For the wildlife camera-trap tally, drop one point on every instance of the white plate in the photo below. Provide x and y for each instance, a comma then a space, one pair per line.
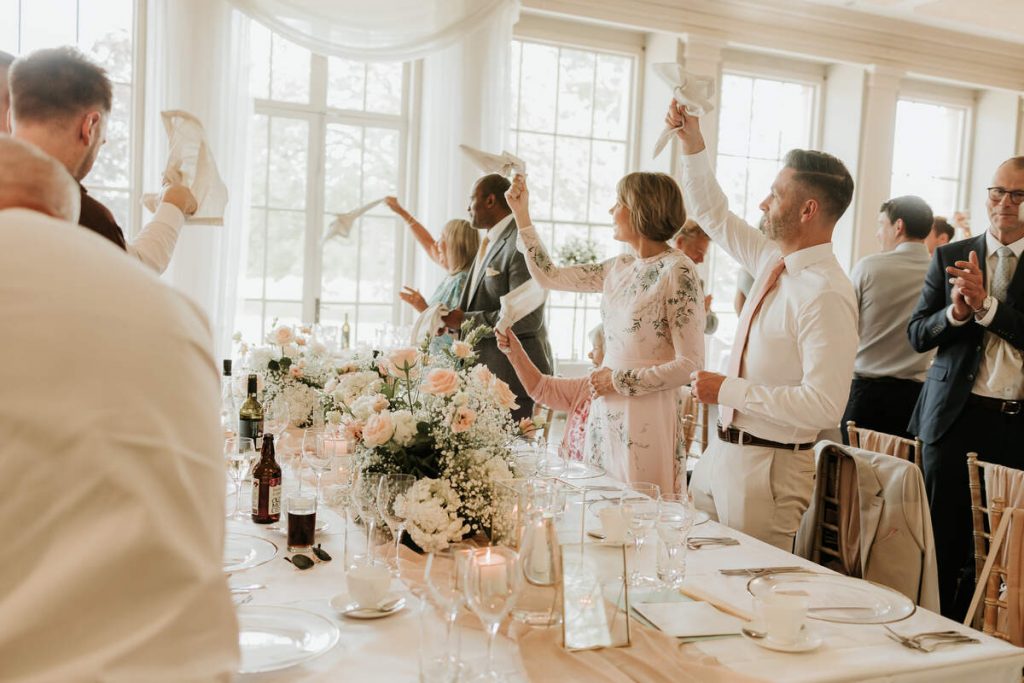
273, 638
837, 598
242, 551
575, 469
809, 640
346, 606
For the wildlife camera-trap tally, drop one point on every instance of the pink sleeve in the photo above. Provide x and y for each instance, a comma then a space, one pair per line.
559, 393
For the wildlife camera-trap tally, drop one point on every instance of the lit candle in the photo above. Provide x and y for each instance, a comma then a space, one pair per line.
493, 574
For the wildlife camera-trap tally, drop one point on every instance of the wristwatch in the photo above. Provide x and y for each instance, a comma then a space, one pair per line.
986, 306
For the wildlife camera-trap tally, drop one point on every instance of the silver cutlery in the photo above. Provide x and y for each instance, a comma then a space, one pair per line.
240, 600
928, 641
758, 571
386, 607
248, 588
698, 542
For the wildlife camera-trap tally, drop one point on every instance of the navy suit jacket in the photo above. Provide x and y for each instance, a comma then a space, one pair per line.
951, 376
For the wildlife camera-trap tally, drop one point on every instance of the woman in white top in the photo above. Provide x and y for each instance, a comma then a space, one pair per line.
653, 314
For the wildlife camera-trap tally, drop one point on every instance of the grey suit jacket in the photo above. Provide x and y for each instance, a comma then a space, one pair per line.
481, 305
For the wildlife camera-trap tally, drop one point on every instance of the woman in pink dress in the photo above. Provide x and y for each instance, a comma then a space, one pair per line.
653, 313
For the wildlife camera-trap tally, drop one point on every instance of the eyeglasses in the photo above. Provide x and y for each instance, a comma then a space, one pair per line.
996, 194
304, 562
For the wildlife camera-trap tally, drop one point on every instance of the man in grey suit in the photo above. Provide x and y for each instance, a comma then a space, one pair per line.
498, 269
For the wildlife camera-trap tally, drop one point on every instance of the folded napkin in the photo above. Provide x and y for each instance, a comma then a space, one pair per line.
693, 92
504, 163
688, 619
343, 222
519, 303
428, 323
190, 163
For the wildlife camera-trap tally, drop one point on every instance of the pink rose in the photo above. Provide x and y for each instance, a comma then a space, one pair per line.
282, 335
295, 371
440, 382
505, 397
481, 374
300, 341
380, 404
354, 430
461, 349
402, 361
378, 430
463, 419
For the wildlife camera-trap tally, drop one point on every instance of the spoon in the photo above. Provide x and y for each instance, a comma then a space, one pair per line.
751, 633
247, 588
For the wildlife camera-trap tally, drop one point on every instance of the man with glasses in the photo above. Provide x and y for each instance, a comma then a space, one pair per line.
972, 311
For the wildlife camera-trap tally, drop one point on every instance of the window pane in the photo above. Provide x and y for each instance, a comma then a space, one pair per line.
119, 203
289, 142
286, 237
252, 284
113, 165
539, 153
250, 322
259, 61
258, 155
377, 261
612, 90
538, 88
927, 154
289, 80
572, 157
48, 23
384, 88
9, 27
343, 166
105, 34
346, 88
607, 166
341, 269
380, 163
576, 92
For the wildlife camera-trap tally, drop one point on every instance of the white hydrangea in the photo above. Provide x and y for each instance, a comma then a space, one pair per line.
430, 508
367, 405
405, 427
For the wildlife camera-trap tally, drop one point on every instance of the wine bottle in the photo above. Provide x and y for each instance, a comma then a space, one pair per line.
228, 409
250, 416
266, 485
346, 335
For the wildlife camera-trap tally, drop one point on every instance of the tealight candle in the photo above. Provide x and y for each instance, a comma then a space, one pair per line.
493, 574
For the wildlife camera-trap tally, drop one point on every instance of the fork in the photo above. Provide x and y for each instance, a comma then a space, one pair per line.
917, 641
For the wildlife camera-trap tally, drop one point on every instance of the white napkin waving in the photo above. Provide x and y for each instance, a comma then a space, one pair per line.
190, 163
343, 222
428, 323
693, 92
504, 163
519, 303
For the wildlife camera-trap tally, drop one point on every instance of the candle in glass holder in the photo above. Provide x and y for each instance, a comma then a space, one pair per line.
493, 574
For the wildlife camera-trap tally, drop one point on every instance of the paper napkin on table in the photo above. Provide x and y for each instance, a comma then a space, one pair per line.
693, 92
504, 163
688, 619
190, 163
343, 222
519, 303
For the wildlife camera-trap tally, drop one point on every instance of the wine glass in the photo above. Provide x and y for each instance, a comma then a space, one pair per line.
392, 486
492, 584
239, 453
275, 416
640, 508
444, 577
319, 450
364, 497
675, 520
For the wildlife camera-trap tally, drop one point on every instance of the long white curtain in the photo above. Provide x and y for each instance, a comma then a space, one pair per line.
374, 30
197, 59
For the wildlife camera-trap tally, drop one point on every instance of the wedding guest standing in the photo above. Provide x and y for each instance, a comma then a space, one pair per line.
115, 526
972, 311
941, 233
694, 242
61, 103
792, 359
652, 309
498, 269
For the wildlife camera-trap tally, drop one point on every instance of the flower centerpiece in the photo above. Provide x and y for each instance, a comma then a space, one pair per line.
442, 419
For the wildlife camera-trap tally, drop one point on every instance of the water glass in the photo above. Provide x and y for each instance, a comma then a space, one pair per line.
239, 453
640, 508
444, 576
364, 498
492, 585
391, 487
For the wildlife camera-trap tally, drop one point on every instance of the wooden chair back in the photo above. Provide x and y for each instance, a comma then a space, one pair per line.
880, 442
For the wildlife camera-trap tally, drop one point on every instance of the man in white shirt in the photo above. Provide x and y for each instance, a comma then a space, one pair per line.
61, 102
888, 372
972, 311
114, 513
791, 364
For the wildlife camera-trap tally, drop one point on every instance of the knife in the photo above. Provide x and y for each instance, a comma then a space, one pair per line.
757, 571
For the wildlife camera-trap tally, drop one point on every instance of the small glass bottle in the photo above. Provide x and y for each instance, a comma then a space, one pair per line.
266, 485
228, 408
346, 335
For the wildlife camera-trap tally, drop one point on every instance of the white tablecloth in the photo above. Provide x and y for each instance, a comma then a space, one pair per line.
386, 649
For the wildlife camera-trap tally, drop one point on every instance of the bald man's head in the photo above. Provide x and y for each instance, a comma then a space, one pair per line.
31, 179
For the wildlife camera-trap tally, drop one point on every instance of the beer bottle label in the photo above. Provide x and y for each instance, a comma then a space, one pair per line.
255, 497
274, 508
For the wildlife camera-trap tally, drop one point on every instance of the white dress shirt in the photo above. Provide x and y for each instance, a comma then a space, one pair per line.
1001, 372
113, 517
155, 244
491, 236
798, 361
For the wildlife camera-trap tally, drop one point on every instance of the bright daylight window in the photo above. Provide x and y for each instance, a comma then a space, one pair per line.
103, 30
760, 120
928, 153
328, 135
571, 123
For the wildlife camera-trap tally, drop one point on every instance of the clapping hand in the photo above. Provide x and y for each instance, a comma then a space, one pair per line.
688, 127
601, 382
413, 297
968, 279
518, 198
508, 342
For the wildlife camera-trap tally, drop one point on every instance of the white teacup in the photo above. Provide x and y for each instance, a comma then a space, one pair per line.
782, 615
368, 583
614, 524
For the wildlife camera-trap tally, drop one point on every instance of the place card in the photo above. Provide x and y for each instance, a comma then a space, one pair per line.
595, 596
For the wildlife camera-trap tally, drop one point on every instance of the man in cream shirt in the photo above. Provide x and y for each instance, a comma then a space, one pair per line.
113, 515
791, 364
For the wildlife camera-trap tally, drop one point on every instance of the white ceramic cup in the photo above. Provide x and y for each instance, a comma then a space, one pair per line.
782, 615
368, 583
614, 524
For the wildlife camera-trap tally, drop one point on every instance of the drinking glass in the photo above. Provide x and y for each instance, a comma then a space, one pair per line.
640, 507
392, 486
675, 520
318, 451
444, 577
275, 417
239, 453
492, 584
364, 498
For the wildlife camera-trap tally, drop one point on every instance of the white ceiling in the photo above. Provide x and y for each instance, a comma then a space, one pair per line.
1003, 19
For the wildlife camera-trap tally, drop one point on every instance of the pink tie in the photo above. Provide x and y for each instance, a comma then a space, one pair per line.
743, 332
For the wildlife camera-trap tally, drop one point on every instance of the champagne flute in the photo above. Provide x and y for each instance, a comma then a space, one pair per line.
444, 577
392, 486
319, 450
238, 453
640, 508
364, 497
275, 421
492, 584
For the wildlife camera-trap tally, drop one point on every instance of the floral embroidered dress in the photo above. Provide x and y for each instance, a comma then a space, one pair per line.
653, 313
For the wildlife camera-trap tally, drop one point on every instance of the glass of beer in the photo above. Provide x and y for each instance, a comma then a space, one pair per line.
301, 522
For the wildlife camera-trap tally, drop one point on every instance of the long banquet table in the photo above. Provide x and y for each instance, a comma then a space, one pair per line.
386, 649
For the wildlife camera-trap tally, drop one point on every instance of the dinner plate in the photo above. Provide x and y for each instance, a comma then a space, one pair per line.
837, 598
273, 638
807, 641
242, 551
576, 469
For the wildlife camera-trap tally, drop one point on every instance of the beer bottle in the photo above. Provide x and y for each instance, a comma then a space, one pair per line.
250, 417
266, 485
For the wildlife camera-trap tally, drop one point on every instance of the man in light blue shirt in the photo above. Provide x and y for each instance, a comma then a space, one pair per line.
888, 372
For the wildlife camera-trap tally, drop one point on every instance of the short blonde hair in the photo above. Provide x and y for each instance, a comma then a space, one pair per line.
655, 204
461, 244
690, 232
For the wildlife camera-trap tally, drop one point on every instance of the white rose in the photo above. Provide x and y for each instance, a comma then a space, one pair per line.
282, 335
378, 430
405, 427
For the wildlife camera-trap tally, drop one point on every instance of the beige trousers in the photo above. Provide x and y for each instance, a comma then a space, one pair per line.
760, 491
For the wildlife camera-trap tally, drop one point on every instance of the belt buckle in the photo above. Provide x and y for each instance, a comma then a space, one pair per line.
1010, 408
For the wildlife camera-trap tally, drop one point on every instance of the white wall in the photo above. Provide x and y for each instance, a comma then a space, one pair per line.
995, 138
842, 122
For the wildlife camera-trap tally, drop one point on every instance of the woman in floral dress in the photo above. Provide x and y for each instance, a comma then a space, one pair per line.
653, 313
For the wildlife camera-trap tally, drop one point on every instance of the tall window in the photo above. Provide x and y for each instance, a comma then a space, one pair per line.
760, 120
328, 136
103, 30
571, 123
928, 154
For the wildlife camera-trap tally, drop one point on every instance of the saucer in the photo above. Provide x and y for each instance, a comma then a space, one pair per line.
346, 606
808, 640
